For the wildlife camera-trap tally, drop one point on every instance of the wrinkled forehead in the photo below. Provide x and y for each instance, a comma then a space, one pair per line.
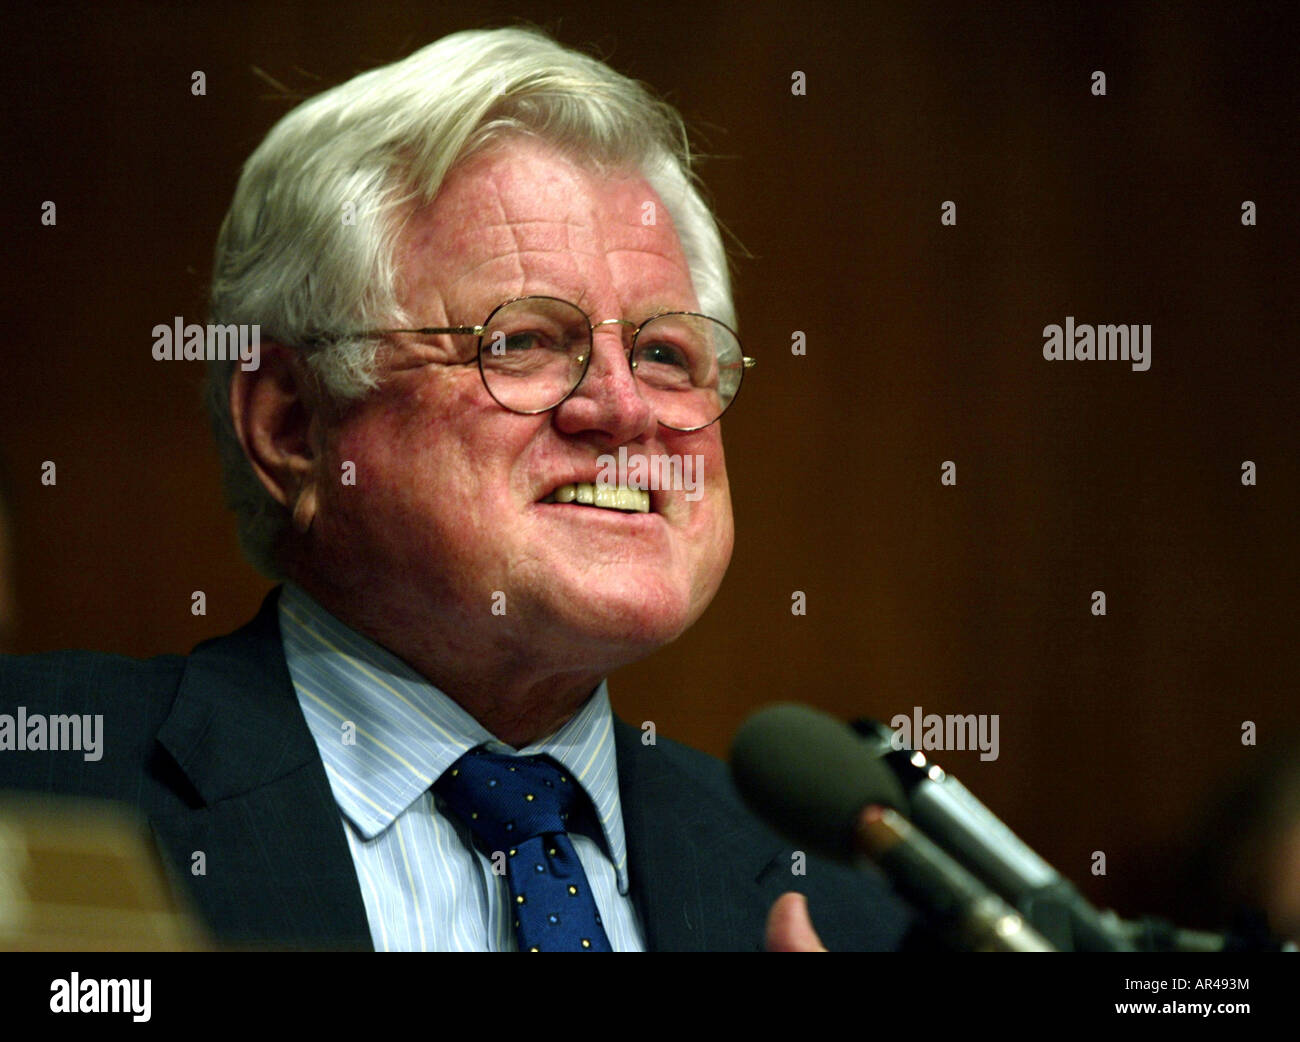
522, 218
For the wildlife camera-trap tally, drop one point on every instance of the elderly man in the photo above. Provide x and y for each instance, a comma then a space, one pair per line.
476, 274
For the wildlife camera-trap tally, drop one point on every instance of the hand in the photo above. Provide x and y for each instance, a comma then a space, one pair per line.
788, 927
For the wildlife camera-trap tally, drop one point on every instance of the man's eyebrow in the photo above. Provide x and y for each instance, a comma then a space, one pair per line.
643, 312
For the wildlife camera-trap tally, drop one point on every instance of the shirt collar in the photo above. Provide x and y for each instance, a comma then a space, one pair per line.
386, 734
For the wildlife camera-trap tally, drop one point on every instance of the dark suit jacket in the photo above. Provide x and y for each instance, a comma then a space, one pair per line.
214, 750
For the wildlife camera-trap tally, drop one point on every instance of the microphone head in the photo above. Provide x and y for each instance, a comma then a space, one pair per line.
808, 776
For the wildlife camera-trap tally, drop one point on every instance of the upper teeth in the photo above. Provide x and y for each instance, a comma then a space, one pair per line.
611, 498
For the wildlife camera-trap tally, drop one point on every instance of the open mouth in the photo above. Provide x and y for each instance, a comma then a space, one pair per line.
611, 497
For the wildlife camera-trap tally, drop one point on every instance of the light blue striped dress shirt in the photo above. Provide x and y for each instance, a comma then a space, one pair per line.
386, 735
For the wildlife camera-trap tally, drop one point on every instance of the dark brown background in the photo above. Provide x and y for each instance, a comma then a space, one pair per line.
924, 344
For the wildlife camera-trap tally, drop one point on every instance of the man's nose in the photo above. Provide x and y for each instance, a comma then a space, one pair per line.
610, 397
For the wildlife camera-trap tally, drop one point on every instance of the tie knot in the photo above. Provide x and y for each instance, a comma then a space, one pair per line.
506, 800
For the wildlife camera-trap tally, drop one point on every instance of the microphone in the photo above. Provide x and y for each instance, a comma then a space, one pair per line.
808, 776
957, 903
947, 812
970, 832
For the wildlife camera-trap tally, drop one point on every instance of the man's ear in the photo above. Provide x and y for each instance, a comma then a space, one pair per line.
277, 413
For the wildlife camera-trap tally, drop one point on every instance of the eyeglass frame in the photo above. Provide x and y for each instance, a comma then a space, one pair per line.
479, 330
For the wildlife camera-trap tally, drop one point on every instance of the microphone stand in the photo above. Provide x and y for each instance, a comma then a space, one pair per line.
1054, 908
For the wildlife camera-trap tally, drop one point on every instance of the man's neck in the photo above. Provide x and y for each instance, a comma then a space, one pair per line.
514, 697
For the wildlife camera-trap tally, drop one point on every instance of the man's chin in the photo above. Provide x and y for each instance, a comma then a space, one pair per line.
626, 627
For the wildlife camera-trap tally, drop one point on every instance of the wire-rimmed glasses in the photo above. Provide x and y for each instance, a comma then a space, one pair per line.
533, 353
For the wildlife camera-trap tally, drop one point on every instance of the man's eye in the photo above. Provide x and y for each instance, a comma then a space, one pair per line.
663, 353
501, 344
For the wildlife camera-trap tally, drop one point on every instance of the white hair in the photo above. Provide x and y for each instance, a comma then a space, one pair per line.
288, 261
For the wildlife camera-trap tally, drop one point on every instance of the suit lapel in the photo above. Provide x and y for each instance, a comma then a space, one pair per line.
263, 839
274, 860
693, 860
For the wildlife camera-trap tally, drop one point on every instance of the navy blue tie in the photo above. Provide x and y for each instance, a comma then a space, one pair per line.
521, 806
